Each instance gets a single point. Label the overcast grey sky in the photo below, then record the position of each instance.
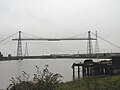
(61, 18)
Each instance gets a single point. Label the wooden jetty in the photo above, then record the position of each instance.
(101, 68)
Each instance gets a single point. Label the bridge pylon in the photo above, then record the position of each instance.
(26, 50)
(19, 46)
(89, 45)
(97, 50)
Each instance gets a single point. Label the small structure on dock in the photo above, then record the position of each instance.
(116, 65)
(102, 68)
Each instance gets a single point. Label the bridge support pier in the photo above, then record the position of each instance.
(19, 47)
(78, 67)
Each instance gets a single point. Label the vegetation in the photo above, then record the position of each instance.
(47, 80)
(92, 83)
(44, 80)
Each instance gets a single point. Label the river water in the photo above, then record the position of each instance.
(14, 68)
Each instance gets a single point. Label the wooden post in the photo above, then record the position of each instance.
(87, 71)
(73, 66)
(78, 72)
(83, 71)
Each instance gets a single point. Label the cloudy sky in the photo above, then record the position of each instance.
(61, 18)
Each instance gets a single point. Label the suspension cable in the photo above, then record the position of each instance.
(77, 35)
(108, 41)
(31, 35)
(8, 37)
(42, 37)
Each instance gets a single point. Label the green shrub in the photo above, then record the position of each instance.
(44, 80)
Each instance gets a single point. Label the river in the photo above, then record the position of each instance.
(14, 68)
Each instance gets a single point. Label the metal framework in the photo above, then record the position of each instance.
(54, 39)
(19, 47)
(89, 47)
(97, 50)
(26, 50)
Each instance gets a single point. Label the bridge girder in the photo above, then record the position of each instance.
(53, 39)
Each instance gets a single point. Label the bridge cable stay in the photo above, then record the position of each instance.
(78, 35)
(27, 34)
(7, 37)
(108, 41)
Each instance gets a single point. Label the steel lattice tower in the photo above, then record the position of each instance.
(19, 47)
(89, 45)
(96, 45)
(26, 50)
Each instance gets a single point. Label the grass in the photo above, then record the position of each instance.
(92, 83)
(46, 80)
